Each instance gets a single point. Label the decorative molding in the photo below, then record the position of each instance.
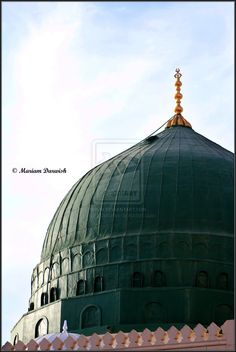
(214, 338)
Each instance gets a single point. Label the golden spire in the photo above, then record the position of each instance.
(178, 95)
(178, 119)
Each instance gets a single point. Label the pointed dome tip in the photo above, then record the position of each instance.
(178, 119)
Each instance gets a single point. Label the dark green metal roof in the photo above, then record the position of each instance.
(177, 182)
(141, 241)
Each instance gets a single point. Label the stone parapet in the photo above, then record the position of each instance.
(212, 338)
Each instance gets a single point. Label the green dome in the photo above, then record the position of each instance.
(175, 182)
(143, 240)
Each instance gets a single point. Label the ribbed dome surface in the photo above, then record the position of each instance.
(178, 181)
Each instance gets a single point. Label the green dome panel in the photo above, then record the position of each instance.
(177, 182)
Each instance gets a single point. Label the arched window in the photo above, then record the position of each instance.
(80, 289)
(53, 294)
(40, 280)
(202, 279)
(88, 259)
(41, 327)
(98, 284)
(90, 316)
(158, 279)
(31, 306)
(102, 256)
(137, 279)
(223, 281)
(44, 298)
(55, 270)
(46, 275)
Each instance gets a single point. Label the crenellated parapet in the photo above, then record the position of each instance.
(211, 338)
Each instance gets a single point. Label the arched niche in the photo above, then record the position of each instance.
(88, 259)
(181, 248)
(137, 279)
(158, 279)
(81, 287)
(34, 284)
(31, 306)
(46, 275)
(54, 294)
(202, 279)
(98, 284)
(65, 266)
(55, 270)
(76, 262)
(102, 256)
(40, 279)
(90, 316)
(41, 328)
(44, 298)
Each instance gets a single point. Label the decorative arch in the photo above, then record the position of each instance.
(76, 262)
(158, 278)
(182, 248)
(41, 328)
(44, 298)
(88, 259)
(98, 284)
(65, 266)
(40, 281)
(34, 283)
(31, 306)
(137, 279)
(81, 288)
(54, 295)
(202, 279)
(46, 274)
(90, 316)
(102, 256)
(55, 270)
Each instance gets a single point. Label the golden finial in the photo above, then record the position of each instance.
(178, 95)
(178, 119)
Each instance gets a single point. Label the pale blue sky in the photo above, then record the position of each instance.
(75, 73)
